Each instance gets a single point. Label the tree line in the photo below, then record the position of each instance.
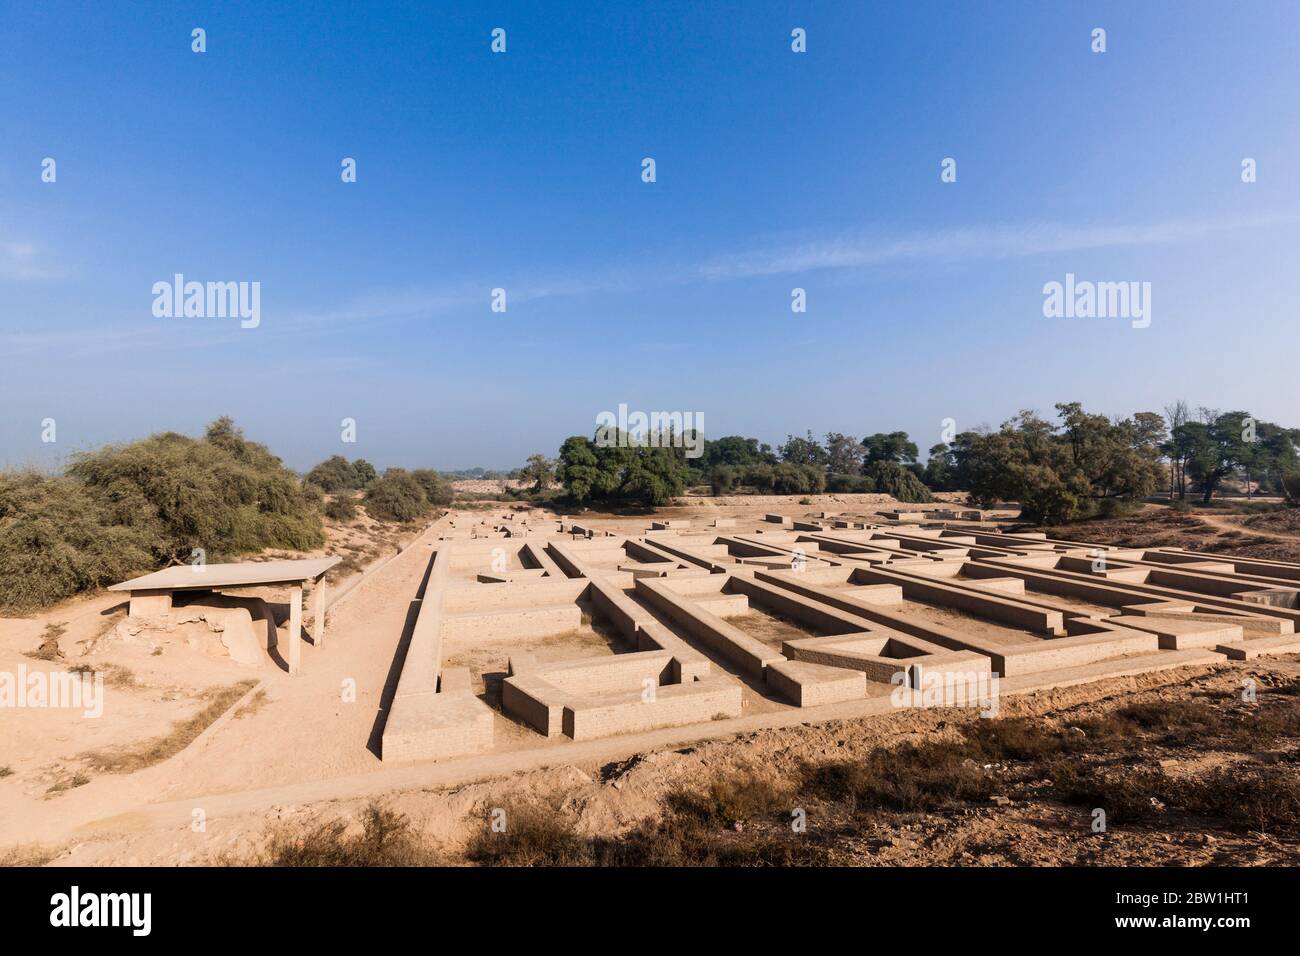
(1079, 465)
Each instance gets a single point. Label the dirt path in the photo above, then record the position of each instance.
(1231, 523)
(168, 811)
(612, 783)
(308, 728)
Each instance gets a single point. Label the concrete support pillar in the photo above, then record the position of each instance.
(318, 612)
(150, 604)
(295, 629)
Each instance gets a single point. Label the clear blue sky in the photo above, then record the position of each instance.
(522, 171)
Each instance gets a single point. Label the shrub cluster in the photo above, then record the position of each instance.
(341, 507)
(124, 509)
(336, 474)
(397, 496)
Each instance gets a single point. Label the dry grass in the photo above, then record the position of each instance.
(1237, 797)
(68, 782)
(28, 854)
(386, 839)
(49, 649)
(741, 820)
(129, 760)
(769, 627)
(255, 703)
(744, 819)
(115, 675)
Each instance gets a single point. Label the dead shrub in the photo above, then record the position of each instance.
(910, 777)
(535, 834)
(386, 839)
(1234, 797)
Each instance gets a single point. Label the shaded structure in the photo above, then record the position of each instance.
(152, 594)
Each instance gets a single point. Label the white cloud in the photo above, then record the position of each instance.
(23, 260)
(864, 250)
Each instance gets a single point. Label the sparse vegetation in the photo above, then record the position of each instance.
(68, 782)
(49, 646)
(386, 839)
(115, 675)
(255, 703)
(131, 759)
(31, 854)
(744, 817)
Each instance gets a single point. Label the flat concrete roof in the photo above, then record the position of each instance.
(191, 577)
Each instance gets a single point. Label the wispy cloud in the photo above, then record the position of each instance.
(792, 254)
(22, 260)
(788, 254)
(857, 250)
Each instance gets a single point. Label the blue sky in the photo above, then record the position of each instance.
(522, 170)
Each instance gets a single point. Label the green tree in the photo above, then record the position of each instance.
(579, 470)
(365, 472)
(540, 470)
(334, 474)
(222, 493)
(647, 471)
(58, 537)
(891, 478)
(939, 468)
(397, 496)
(437, 490)
(843, 454)
(1066, 472)
(895, 446)
(803, 451)
(736, 451)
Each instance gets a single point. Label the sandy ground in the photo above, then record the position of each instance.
(303, 749)
(604, 797)
(312, 726)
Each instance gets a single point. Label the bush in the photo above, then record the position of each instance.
(57, 539)
(760, 477)
(1118, 507)
(387, 838)
(333, 475)
(397, 496)
(792, 479)
(850, 484)
(722, 480)
(891, 478)
(341, 508)
(221, 493)
(436, 490)
(125, 509)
